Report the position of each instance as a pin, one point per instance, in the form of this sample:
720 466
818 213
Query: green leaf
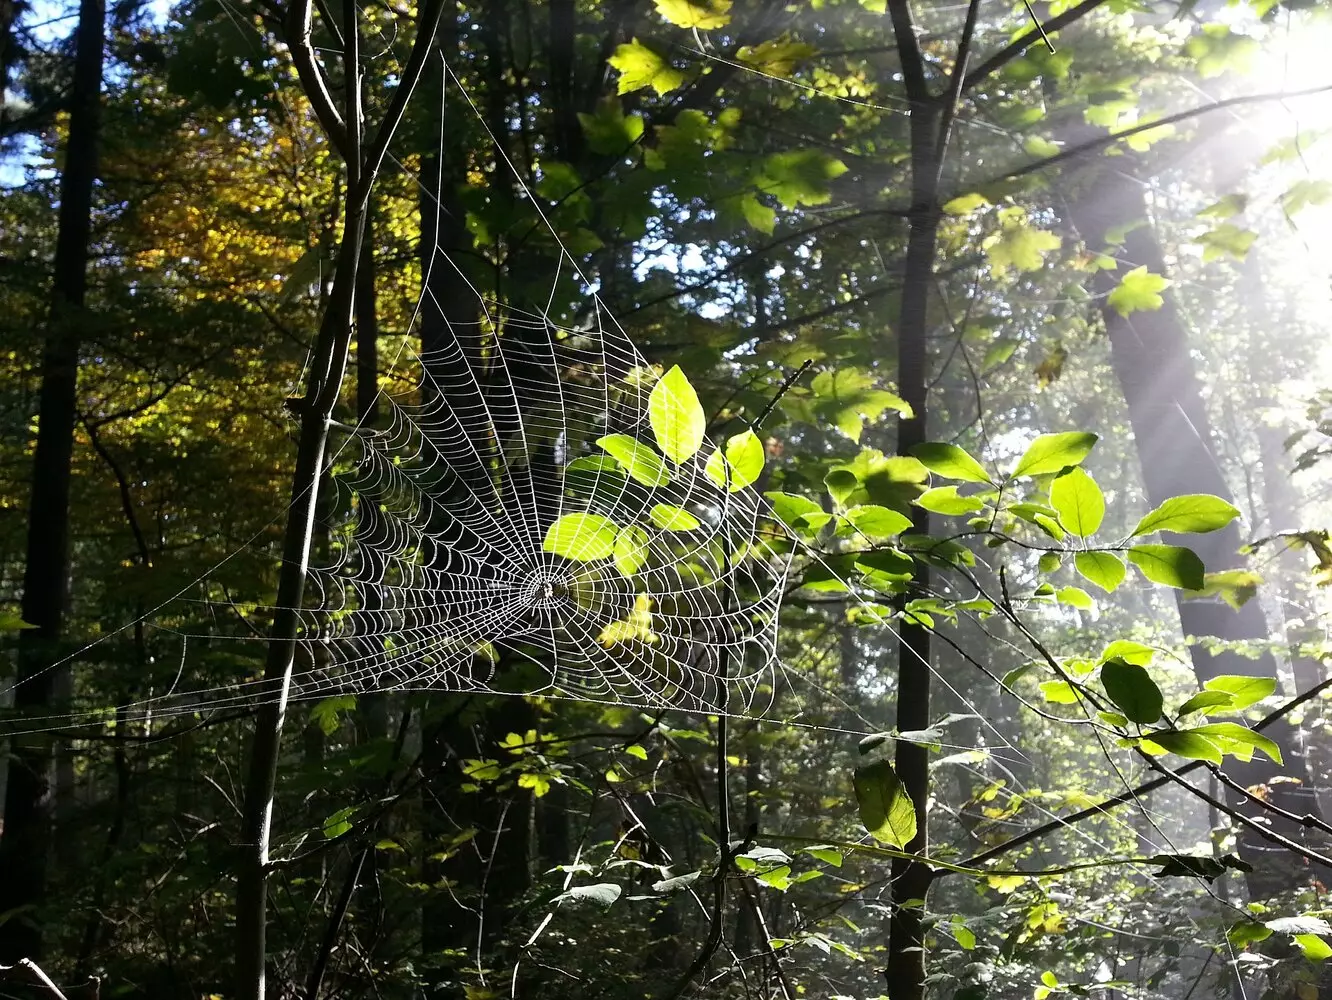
631 550
1075 597
1186 744
1132 690
743 458
886 809
1195 512
640 461
640 67
581 537
1243 735
757 214
1051 453
1314 948
841 483
10 622
1203 700
1305 193
877 523
670 518
1234 586
1059 692
1247 932
1138 291
676 416
1020 246
776 56
964 936
945 500
799 177
1041 147
950 461
1105 569
1049 562
791 509
705 14
325 714
1226 240
1244 691
610 132
1170 565
965 204
1129 651
1080 503
339 823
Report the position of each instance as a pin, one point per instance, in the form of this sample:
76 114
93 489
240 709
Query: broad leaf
1186 744
1105 569
1080 503
1243 735
671 518
640 67
582 537
640 461
1170 565
886 809
950 461
1195 512
1132 690
877 523
705 14
799 177
1205 700
676 416
945 500
1243 691
1053 452
631 550
791 509
740 465
1138 291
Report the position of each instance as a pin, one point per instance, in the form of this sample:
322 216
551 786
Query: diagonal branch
298 28
1019 45
1102 142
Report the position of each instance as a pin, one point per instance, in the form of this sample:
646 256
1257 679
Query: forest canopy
665 498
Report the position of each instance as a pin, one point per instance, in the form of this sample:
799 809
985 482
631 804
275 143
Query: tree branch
1109 140
1018 46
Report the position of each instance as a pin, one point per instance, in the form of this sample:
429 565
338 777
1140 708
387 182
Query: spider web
448 578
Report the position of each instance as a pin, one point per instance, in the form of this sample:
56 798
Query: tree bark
24 842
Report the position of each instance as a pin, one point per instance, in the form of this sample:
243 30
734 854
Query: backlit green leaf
1186 744
1195 512
886 809
742 462
1243 735
631 550
1105 569
1080 503
1138 291
1053 452
1244 691
950 461
705 14
582 537
677 417
877 523
640 461
671 518
945 500
640 67
1170 565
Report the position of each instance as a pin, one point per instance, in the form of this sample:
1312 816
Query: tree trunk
1150 356
24 842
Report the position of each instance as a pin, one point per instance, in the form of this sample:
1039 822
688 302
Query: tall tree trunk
24 842
1150 356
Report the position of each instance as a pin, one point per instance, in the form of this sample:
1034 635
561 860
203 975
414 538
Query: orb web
446 576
